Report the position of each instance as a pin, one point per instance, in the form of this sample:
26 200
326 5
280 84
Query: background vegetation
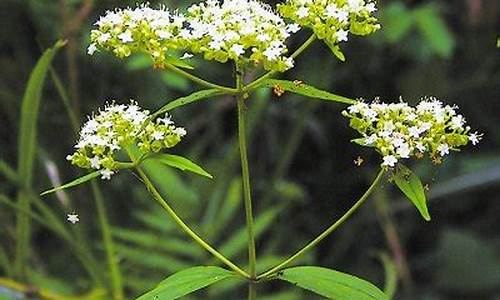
301 160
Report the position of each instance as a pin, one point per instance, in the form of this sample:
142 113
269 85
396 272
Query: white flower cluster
143 29
399 131
332 20
235 29
117 127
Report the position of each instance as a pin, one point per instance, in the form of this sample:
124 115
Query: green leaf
397 21
8 171
4 261
336 51
150 259
176 81
186 282
434 30
73 183
391 275
409 183
196 96
27 141
181 163
332 284
306 90
178 62
29 114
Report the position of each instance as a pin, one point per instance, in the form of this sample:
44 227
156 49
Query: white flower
404 151
158 135
443 149
237 49
95 162
355 5
371 140
180 131
389 161
186 55
475 138
414 132
91 49
103 38
73 218
341 35
106 174
302 12
292 28
420 147
126 37
457 122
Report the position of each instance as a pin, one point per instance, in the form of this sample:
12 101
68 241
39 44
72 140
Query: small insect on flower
73 218
359 161
278 90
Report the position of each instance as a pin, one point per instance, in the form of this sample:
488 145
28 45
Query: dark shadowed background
301 158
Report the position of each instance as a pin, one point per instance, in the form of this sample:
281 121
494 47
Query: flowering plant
252 35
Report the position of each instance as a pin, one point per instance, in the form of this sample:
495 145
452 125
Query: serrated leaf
412 187
332 284
306 90
73 183
180 163
336 51
187 281
196 96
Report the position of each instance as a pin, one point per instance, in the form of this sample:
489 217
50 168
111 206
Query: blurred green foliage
301 162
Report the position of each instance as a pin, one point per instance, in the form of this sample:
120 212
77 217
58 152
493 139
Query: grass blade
27 144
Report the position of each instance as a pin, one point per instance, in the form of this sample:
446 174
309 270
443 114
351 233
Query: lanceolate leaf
186 282
336 51
306 90
181 163
332 284
196 96
29 113
27 141
412 187
73 183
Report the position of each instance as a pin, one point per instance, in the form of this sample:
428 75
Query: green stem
201 81
297 52
325 233
247 192
114 270
158 197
